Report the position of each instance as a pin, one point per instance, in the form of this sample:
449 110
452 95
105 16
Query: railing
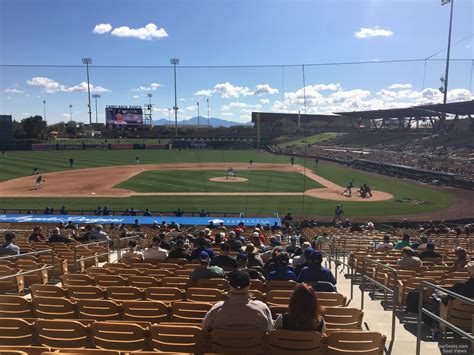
45 251
422 311
96 255
119 240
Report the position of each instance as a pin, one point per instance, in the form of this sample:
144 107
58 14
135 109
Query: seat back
47 291
201 294
62 334
279 296
237 341
119 336
367 343
331 299
85 292
77 280
144 281
459 314
122 293
14 331
53 308
149 311
164 294
98 310
189 312
110 280
220 284
180 282
282 342
183 338
281 285
343 318
15 306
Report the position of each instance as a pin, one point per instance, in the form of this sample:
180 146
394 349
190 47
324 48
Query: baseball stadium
211 205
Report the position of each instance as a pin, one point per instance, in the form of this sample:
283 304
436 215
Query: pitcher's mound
230 179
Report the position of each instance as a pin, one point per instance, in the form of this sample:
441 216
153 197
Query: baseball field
196 179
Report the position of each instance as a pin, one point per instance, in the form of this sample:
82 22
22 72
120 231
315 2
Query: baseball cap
203 256
242 257
317 256
430 246
255 234
239 279
308 252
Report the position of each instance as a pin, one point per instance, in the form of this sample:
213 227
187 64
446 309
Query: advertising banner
123 117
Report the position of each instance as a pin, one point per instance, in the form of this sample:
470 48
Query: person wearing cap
239 311
155 253
430 253
204 270
202 245
409 259
283 271
242 260
223 260
301 259
290 249
315 272
253 254
307 254
178 251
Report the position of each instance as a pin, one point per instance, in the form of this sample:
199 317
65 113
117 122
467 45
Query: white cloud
228 114
400 86
136 96
191 108
238 104
13 91
373 32
26 114
151 87
279 106
52 86
265 101
102 28
149 32
228 90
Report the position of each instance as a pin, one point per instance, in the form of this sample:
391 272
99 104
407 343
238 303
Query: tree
71 129
33 127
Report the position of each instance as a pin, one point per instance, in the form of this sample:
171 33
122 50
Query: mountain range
214 122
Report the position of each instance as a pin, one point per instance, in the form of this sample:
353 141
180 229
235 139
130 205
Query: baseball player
35 171
348 191
38 181
230 173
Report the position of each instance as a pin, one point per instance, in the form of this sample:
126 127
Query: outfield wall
42 147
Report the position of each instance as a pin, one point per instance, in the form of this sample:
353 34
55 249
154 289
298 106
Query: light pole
96 96
70 113
174 62
198 112
208 117
44 111
169 116
88 61
444 2
149 106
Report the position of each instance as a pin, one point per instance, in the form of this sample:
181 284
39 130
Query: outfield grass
18 164
198 181
317 138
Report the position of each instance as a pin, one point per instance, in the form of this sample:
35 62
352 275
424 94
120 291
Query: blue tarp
228 221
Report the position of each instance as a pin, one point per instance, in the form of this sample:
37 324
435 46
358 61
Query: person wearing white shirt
385 244
155 253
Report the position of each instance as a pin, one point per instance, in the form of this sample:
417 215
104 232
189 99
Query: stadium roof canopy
397 113
273 116
465 108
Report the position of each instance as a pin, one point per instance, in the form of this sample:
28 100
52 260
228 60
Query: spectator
70 225
98 211
462 259
155 253
56 237
430 253
37 235
204 270
405 242
223 260
239 311
304 312
409 259
201 244
132 252
242 260
99 235
301 259
105 211
9 247
63 211
179 212
147 213
315 272
291 249
385 245
178 251
283 271
421 245
253 255
465 288
136 225
307 254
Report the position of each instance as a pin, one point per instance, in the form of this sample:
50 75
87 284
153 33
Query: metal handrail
92 256
119 246
26 254
422 310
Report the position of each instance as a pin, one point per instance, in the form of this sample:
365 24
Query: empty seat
180 282
459 313
30 350
98 310
331 299
85 292
177 338
14 283
125 273
119 336
144 281
47 291
123 293
110 280
61 333
220 284
77 280
343 343
282 342
164 294
15 306
343 318
14 331
93 271
148 311
200 294
53 307
279 296
280 285
237 341
158 273
189 312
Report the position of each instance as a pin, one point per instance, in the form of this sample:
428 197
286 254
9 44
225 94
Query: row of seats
188 338
172 294
149 311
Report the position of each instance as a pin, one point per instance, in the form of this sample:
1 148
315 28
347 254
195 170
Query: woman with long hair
304 312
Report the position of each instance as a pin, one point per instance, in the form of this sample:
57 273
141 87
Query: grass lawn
198 181
18 164
317 138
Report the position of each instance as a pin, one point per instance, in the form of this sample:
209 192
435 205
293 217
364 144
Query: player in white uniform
230 173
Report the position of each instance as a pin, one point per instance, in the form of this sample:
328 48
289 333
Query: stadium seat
177 338
77 280
47 291
85 292
15 306
199 294
220 284
189 312
40 277
119 336
158 273
62 333
124 293
14 284
144 281
30 350
458 313
53 308
237 341
110 280
281 297
343 318
14 331
283 342
331 299
180 282
280 285
343 343
99 310
125 273
93 271
149 311
83 352
164 294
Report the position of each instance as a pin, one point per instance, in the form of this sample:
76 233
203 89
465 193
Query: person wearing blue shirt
201 246
282 271
315 272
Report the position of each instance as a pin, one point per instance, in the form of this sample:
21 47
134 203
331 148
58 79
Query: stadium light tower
96 96
44 111
70 112
149 106
174 62
197 103
446 74
88 61
208 117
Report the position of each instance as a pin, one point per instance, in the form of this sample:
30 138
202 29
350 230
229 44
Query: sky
240 55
